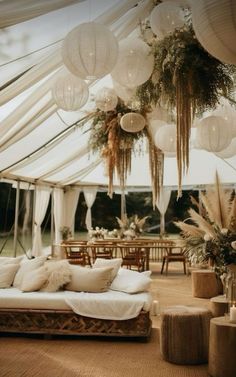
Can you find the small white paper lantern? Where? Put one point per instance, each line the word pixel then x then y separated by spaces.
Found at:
pixel 228 152
pixel 106 99
pixel 90 51
pixel 134 65
pixel 226 111
pixel 165 18
pixel 214 23
pixel 123 92
pixel 132 122
pixel 213 133
pixel 165 138
pixel 70 93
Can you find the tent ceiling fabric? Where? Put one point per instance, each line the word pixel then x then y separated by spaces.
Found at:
pixel 37 140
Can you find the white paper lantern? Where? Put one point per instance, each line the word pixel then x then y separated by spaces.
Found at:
pixel 90 51
pixel 165 138
pixel 213 134
pixel 228 152
pixel 123 92
pixel 226 111
pixel 106 99
pixel 214 23
pixel 165 18
pixel 70 93
pixel 154 125
pixel 132 122
pixel 134 64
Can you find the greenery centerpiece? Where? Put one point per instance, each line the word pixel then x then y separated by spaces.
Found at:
pixel 187 80
pixel 212 234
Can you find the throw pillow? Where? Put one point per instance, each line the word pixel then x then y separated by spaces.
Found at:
pixel 34 280
pixel 7 274
pixel 85 279
pixel 26 266
pixel 131 281
pixel 11 260
pixel 115 263
pixel 59 273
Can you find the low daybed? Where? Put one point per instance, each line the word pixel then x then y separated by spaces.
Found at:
pixel 66 312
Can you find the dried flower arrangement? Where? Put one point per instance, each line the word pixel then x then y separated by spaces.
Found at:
pixel 131 227
pixel 188 80
pixel 213 233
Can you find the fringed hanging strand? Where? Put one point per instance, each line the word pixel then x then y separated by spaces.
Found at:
pixel 156 166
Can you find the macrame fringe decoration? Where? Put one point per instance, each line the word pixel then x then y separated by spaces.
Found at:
pixel 156 166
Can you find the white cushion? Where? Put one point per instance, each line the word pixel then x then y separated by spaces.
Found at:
pixel 59 273
pixel 26 266
pixel 115 263
pixel 34 280
pixel 7 274
pixel 129 281
pixel 11 260
pixel 85 279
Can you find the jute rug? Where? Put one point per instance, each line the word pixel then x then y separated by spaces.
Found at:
pixel 83 357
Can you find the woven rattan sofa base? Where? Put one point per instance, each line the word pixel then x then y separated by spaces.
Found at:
pixel 61 322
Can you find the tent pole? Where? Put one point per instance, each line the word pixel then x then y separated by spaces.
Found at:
pixel 123 205
pixel 52 224
pixel 16 218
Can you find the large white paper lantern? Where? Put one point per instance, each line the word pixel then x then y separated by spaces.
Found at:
pixel 213 133
pixel 70 93
pixel 132 122
pixel 90 50
pixel 134 64
pixel 214 23
pixel 228 152
pixel 226 111
pixel 165 18
pixel 106 99
pixel 165 138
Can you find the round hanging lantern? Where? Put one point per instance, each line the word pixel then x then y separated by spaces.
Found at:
pixel 165 18
pixel 134 65
pixel 106 99
pixel 90 51
pixel 214 23
pixel 70 93
pixel 228 152
pixel 226 111
pixel 132 122
pixel 213 133
pixel 154 125
pixel 165 138
pixel 123 92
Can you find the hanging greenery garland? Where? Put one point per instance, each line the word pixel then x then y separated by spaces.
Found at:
pixel 117 146
pixel 188 80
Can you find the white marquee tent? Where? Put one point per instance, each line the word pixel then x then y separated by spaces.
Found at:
pixel 42 144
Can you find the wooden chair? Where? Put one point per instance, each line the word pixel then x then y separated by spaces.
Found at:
pixel 102 250
pixel 173 253
pixel 77 253
pixel 133 256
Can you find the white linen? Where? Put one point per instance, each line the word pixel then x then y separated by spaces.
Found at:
pixel 107 305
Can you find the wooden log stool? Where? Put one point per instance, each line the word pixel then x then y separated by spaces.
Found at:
pixel 205 284
pixel 219 306
pixel 184 334
pixel 222 348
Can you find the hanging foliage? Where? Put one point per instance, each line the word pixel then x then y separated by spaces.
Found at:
pixel 117 146
pixel 188 80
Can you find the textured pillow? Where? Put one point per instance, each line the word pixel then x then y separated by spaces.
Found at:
pixel 59 273
pixel 7 274
pixel 34 280
pixel 11 260
pixel 26 266
pixel 115 263
pixel 131 281
pixel 85 279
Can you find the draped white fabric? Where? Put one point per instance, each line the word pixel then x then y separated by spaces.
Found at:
pixel 162 205
pixel 58 205
pixel 71 198
pixel 90 196
pixel 42 196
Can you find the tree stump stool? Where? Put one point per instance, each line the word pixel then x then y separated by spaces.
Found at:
pixel 205 284
pixel 219 306
pixel 184 334
pixel 222 348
